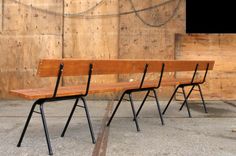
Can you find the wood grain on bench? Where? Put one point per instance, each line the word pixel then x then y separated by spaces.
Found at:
pixel 76 67
pixel 38 93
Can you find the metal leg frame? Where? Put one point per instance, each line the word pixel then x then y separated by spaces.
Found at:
pixel 135 118
pixel 89 121
pixel 40 103
pixel 117 106
pixel 140 89
pixel 157 102
pixel 26 124
pixel 170 100
pixel 158 106
pixel 134 113
pixel 186 98
pixel 71 114
pixel 186 102
pixel 141 106
pixel 87 115
pixel 132 106
pixel 203 101
pixel 200 91
pixel 46 130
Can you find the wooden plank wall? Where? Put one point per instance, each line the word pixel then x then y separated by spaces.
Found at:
pixel 220 84
pixel 1 15
pixel 27 34
pixel 30 30
pixel 93 38
pixel 140 41
pixel 38 29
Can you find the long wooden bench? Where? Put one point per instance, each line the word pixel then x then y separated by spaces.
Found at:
pixel 77 67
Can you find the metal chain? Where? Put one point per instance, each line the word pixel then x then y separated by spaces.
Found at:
pixel 84 16
pixel 158 25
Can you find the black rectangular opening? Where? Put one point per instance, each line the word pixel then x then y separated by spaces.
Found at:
pixel 210 16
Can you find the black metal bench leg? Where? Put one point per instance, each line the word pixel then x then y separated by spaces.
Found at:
pixel 89 121
pixel 158 106
pixel 203 101
pixel 134 113
pixel 170 100
pixel 27 123
pixel 186 101
pixel 114 112
pixel 184 94
pixel 141 106
pixel 69 119
pixel 46 129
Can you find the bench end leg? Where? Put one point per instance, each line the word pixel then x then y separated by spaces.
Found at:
pixel 69 119
pixel 89 121
pixel 134 113
pixel 27 123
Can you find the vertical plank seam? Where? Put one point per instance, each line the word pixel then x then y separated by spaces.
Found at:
pixel 118 37
pixel 63 27
pixel 176 47
pixel 63 35
pixel 2 24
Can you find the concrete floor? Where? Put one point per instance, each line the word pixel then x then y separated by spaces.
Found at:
pixel 203 135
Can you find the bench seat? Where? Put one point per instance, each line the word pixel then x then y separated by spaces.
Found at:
pixel 39 93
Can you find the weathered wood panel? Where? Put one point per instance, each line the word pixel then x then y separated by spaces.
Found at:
pixel 78 67
pixel 28 34
pixel 221 48
pixel 1 15
pixel 30 30
pixel 19 61
pixel 138 40
pixel 91 38
pixel 32 17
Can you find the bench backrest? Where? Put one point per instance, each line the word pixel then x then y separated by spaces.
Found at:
pixel 77 67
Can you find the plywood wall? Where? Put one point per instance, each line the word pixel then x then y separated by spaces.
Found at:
pixel 1 15
pixel 26 35
pixel 89 37
pixel 31 30
pixel 94 38
pixel 97 29
pixel 138 40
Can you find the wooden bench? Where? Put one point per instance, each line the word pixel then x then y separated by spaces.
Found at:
pixel 76 67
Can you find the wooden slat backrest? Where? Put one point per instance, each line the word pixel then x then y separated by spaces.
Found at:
pixel 77 67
